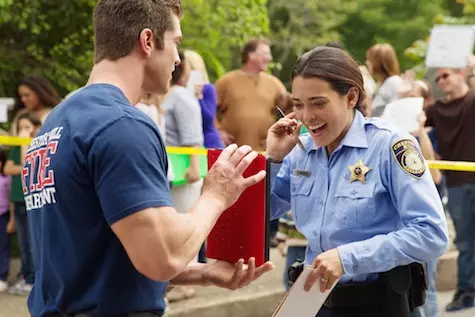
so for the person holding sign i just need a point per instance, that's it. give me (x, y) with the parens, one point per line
(361, 193)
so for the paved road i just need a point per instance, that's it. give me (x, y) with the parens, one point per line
(257, 300)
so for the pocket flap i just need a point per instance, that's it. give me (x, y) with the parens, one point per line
(301, 185)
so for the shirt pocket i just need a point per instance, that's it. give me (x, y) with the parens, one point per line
(355, 205)
(300, 189)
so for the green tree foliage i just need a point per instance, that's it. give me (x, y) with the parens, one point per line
(399, 23)
(55, 38)
(49, 38)
(218, 28)
(299, 25)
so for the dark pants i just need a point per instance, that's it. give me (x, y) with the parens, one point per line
(462, 210)
(273, 228)
(24, 240)
(351, 312)
(4, 247)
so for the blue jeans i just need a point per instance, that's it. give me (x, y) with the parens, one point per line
(462, 210)
(293, 253)
(4, 247)
(24, 240)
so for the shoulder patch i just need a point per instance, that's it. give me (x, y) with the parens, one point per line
(409, 157)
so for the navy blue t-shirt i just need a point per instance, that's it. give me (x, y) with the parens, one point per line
(95, 161)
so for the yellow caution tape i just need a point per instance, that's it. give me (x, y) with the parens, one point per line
(441, 165)
(452, 166)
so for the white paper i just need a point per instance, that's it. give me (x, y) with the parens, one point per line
(450, 46)
(300, 303)
(404, 113)
(196, 77)
(3, 112)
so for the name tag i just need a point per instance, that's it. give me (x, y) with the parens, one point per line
(297, 172)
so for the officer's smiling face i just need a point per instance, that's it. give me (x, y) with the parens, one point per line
(326, 114)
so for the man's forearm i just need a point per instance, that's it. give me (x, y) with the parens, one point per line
(185, 236)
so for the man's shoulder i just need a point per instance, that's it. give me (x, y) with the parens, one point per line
(92, 110)
(229, 76)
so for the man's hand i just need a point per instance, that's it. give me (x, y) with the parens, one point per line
(234, 276)
(224, 182)
(327, 269)
(226, 137)
(192, 175)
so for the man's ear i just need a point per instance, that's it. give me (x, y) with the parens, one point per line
(146, 42)
(353, 96)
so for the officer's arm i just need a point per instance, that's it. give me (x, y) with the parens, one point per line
(128, 169)
(424, 236)
(280, 191)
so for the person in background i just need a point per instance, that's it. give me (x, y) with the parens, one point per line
(383, 65)
(453, 118)
(6, 223)
(206, 94)
(28, 126)
(184, 127)
(34, 95)
(247, 98)
(151, 105)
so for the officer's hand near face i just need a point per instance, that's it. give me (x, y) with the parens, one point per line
(327, 269)
(282, 137)
(224, 182)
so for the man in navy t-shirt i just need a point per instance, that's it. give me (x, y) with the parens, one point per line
(106, 238)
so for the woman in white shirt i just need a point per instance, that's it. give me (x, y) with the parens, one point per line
(383, 65)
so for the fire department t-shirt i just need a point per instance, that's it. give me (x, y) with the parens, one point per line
(95, 161)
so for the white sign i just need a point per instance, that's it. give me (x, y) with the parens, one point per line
(450, 46)
(404, 113)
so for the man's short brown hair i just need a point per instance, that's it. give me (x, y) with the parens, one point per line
(250, 47)
(118, 23)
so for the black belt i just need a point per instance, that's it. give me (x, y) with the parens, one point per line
(357, 295)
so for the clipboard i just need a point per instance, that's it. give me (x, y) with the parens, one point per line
(304, 304)
(242, 231)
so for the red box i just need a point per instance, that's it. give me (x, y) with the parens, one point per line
(242, 231)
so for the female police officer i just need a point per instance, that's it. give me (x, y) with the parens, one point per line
(360, 192)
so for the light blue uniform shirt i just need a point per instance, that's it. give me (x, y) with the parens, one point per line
(393, 218)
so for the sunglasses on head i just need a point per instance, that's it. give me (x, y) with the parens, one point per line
(442, 76)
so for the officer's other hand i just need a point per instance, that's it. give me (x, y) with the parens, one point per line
(233, 276)
(224, 182)
(282, 137)
(327, 269)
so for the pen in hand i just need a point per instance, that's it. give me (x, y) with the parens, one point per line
(282, 114)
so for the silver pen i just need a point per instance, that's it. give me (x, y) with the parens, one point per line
(282, 114)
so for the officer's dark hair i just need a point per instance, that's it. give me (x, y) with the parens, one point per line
(179, 69)
(334, 66)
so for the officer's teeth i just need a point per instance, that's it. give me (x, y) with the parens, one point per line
(315, 127)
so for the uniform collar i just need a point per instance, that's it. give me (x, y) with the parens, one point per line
(355, 137)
